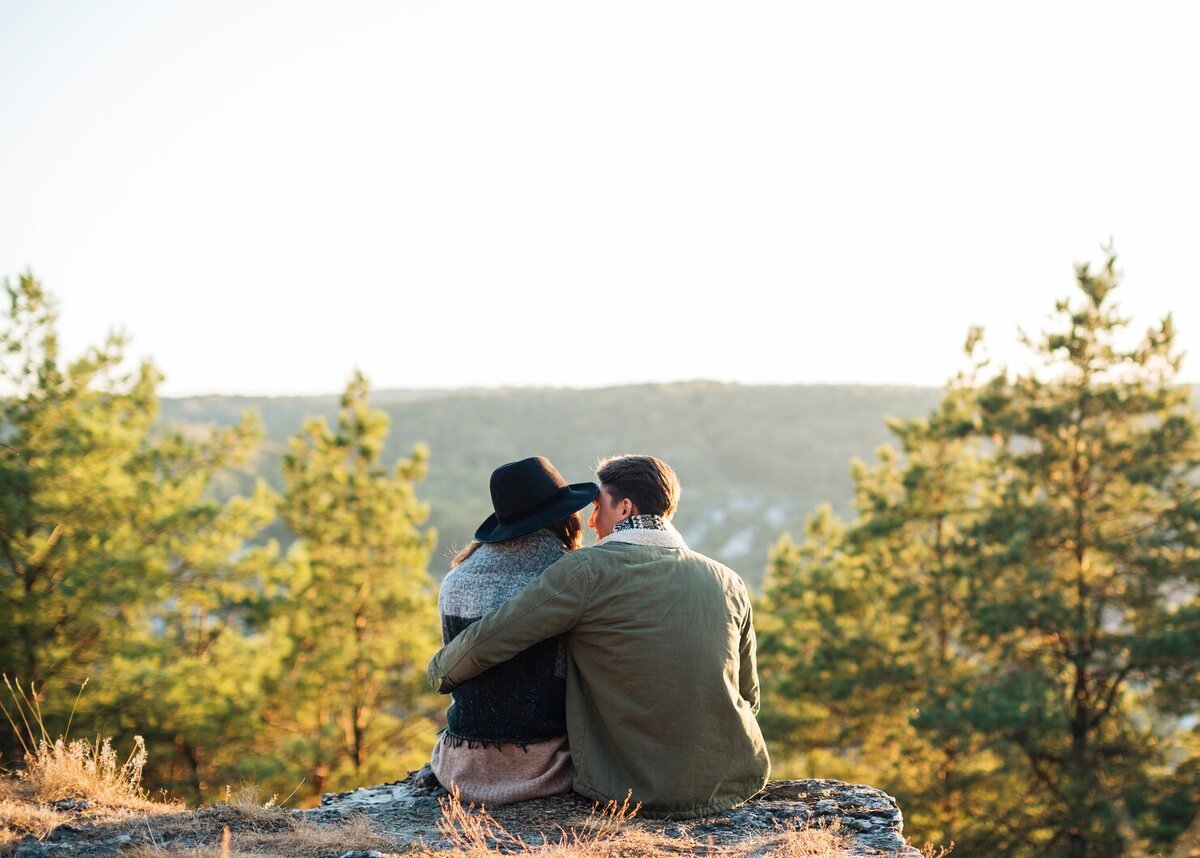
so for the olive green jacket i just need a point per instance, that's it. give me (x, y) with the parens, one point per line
(662, 686)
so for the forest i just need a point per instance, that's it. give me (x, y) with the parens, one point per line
(984, 599)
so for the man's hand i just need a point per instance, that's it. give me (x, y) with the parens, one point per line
(437, 681)
(547, 606)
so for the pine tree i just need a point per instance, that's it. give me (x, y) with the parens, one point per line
(1018, 593)
(875, 611)
(115, 563)
(1089, 623)
(71, 515)
(361, 615)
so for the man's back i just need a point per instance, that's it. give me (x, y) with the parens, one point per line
(662, 691)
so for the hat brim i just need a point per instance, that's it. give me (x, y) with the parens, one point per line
(571, 499)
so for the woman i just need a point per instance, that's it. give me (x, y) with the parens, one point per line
(505, 737)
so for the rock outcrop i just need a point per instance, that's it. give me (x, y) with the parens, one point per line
(407, 814)
(869, 819)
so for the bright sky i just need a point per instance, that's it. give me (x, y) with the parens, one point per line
(265, 195)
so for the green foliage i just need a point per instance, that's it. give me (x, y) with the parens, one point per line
(115, 563)
(195, 683)
(360, 614)
(1010, 625)
(72, 467)
(120, 563)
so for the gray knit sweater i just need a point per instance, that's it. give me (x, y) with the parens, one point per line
(521, 700)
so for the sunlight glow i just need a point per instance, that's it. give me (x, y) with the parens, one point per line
(268, 195)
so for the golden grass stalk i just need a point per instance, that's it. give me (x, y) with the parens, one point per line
(474, 830)
(62, 768)
(610, 832)
(805, 841)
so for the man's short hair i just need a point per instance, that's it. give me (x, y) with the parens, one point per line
(649, 482)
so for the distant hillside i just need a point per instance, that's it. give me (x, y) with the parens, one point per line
(753, 460)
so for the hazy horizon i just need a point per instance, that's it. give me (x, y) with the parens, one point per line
(499, 388)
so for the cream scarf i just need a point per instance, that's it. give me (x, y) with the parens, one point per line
(650, 530)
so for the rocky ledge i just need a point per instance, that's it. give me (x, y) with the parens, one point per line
(409, 811)
(406, 818)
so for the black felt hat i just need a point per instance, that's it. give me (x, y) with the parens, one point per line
(530, 494)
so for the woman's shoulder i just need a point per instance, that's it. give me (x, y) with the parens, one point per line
(530, 553)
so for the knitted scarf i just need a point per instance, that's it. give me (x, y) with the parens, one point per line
(645, 530)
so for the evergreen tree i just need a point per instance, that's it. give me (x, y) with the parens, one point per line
(72, 521)
(860, 632)
(1089, 625)
(361, 615)
(114, 562)
(1020, 589)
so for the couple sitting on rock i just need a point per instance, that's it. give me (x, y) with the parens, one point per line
(624, 667)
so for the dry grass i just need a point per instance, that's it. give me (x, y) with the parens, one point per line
(607, 833)
(23, 815)
(77, 769)
(102, 788)
(823, 841)
(303, 839)
(62, 768)
(20, 818)
(295, 837)
(248, 801)
(473, 830)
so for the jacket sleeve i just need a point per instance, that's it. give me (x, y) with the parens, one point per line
(549, 605)
(748, 670)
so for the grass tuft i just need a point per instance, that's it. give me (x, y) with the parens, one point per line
(609, 833)
(473, 830)
(807, 841)
(62, 768)
(79, 769)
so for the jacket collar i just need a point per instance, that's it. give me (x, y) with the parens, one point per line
(668, 537)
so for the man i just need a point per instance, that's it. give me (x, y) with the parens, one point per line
(662, 687)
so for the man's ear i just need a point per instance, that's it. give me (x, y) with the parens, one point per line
(628, 507)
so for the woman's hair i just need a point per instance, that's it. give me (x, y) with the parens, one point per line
(569, 530)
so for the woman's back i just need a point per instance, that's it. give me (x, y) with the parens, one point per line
(506, 731)
(521, 700)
